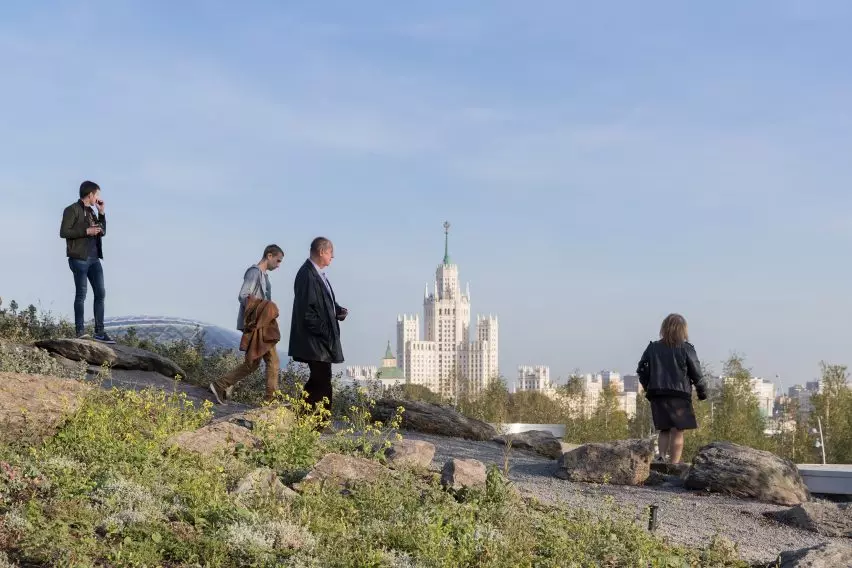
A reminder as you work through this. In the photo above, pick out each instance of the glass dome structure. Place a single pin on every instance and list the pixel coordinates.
(169, 329)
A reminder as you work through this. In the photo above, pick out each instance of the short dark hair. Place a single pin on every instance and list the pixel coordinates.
(319, 244)
(87, 188)
(274, 250)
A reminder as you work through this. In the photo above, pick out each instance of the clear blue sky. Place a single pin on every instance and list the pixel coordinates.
(601, 165)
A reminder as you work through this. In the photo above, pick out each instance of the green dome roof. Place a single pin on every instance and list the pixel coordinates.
(390, 373)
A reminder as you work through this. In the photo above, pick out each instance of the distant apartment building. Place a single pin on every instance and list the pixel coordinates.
(387, 375)
(450, 355)
(534, 378)
(764, 390)
(631, 383)
(592, 386)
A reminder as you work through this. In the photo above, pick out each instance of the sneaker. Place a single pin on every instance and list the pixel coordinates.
(104, 338)
(220, 400)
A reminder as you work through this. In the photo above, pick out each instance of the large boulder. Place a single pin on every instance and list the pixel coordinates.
(538, 441)
(731, 469)
(213, 438)
(33, 407)
(827, 519)
(434, 419)
(459, 474)
(116, 356)
(623, 462)
(825, 555)
(344, 470)
(410, 453)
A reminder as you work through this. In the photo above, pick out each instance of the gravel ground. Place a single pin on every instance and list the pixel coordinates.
(685, 517)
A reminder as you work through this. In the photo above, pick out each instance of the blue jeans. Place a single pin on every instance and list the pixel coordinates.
(92, 271)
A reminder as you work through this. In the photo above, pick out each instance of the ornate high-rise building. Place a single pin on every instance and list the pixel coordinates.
(448, 359)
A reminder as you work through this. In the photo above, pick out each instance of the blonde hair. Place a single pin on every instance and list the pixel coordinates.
(674, 330)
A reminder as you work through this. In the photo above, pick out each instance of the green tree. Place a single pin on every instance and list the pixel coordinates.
(641, 425)
(608, 422)
(833, 408)
(532, 407)
(734, 409)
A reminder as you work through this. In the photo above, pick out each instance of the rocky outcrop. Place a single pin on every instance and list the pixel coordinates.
(827, 519)
(220, 436)
(33, 407)
(538, 441)
(342, 469)
(278, 419)
(731, 469)
(263, 483)
(459, 474)
(624, 462)
(434, 419)
(410, 453)
(826, 555)
(116, 356)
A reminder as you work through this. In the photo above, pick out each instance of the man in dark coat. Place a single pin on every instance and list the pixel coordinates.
(315, 327)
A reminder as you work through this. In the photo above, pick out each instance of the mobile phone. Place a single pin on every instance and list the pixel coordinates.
(100, 202)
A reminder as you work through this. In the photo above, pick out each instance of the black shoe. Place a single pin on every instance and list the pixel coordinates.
(103, 337)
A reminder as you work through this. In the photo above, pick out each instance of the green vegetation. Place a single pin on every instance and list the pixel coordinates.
(110, 489)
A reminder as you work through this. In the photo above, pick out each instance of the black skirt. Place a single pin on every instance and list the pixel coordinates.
(673, 412)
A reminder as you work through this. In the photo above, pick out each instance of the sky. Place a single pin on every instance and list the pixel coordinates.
(601, 164)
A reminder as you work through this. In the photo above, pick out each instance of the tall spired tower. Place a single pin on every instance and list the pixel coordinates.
(446, 360)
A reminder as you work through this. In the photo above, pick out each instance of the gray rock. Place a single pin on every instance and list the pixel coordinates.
(827, 519)
(410, 453)
(538, 441)
(213, 438)
(825, 555)
(459, 473)
(263, 483)
(345, 470)
(116, 356)
(434, 419)
(728, 468)
(623, 462)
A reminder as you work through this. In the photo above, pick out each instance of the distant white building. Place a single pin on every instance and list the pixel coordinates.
(611, 378)
(764, 390)
(534, 378)
(593, 386)
(387, 375)
(450, 356)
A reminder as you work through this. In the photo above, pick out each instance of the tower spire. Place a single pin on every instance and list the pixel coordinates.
(446, 242)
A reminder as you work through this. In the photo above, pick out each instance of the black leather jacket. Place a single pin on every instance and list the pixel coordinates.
(671, 371)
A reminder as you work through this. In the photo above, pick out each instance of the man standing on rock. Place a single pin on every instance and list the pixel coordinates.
(255, 286)
(83, 232)
(315, 327)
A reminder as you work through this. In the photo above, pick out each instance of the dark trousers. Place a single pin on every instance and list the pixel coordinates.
(319, 383)
(91, 271)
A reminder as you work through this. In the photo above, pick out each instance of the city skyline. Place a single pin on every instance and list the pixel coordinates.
(602, 166)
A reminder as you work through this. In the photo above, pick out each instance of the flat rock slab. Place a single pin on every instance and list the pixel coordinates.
(732, 469)
(826, 555)
(33, 407)
(410, 453)
(263, 483)
(344, 470)
(116, 356)
(538, 441)
(828, 519)
(434, 419)
(220, 436)
(623, 462)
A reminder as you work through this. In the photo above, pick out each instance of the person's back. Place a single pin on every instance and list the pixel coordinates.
(672, 370)
(667, 371)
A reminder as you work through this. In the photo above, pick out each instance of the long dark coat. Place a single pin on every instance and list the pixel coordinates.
(314, 328)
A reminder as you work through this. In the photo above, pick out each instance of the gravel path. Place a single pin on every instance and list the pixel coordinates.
(685, 517)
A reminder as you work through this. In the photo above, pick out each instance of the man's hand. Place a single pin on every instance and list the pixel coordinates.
(93, 231)
(342, 313)
(100, 203)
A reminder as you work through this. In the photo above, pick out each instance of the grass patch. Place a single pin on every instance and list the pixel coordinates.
(108, 490)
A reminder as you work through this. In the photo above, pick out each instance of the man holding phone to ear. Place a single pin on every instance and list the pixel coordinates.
(83, 232)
